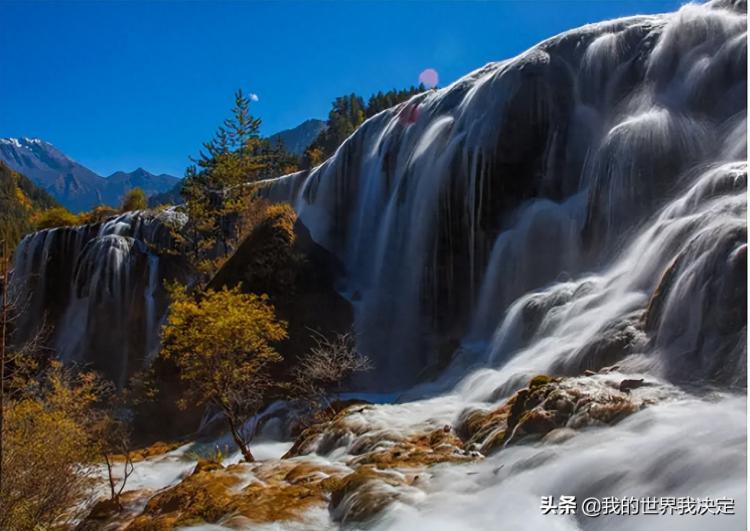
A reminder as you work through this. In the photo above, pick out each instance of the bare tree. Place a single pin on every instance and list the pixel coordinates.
(320, 374)
(117, 439)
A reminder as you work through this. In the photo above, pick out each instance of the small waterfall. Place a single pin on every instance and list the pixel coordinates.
(152, 336)
(98, 288)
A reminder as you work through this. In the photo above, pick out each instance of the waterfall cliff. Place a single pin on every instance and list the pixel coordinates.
(98, 289)
(580, 203)
(561, 210)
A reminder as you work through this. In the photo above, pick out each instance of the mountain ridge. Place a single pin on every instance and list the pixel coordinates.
(296, 139)
(74, 185)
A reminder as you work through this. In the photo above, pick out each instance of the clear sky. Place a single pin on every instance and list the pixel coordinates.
(117, 85)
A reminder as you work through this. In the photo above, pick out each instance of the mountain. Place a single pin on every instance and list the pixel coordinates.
(19, 199)
(120, 182)
(297, 139)
(170, 197)
(74, 185)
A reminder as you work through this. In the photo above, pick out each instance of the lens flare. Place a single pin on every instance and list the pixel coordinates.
(429, 77)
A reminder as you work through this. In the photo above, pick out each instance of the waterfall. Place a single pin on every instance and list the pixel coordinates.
(577, 211)
(97, 289)
(551, 199)
(579, 207)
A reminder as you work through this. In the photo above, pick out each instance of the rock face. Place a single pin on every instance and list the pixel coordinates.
(465, 223)
(100, 287)
(577, 213)
(549, 407)
(594, 149)
(279, 258)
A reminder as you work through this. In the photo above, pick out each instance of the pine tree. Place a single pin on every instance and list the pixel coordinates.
(346, 115)
(217, 186)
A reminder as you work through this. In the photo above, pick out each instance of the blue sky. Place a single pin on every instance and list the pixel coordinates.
(117, 85)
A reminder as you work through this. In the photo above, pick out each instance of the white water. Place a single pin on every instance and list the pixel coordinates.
(643, 455)
(640, 188)
(447, 227)
(625, 244)
(581, 205)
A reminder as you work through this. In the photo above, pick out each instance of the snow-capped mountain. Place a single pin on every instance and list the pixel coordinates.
(74, 185)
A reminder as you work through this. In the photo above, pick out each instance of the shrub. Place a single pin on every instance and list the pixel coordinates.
(134, 199)
(54, 217)
(319, 374)
(50, 444)
(97, 214)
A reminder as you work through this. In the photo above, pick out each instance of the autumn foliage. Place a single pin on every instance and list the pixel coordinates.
(222, 342)
(51, 442)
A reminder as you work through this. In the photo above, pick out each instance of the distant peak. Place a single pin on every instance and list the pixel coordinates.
(23, 142)
(11, 141)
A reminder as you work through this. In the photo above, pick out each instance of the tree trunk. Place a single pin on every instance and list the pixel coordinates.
(241, 444)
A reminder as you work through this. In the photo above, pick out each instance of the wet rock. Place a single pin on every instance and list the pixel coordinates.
(104, 509)
(109, 514)
(627, 385)
(545, 406)
(361, 495)
(438, 446)
(559, 435)
(206, 465)
(258, 493)
(278, 257)
(141, 454)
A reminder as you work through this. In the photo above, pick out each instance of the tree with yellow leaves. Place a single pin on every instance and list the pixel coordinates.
(135, 199)
(51, 443)
(222, 344)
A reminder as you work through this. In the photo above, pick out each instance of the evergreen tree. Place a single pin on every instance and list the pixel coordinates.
(217, 187)
(21, 202)
(346, 115)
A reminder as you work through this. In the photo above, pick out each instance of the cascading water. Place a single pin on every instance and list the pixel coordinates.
(580, 206)
(447, 209)
(579, 210)
(98, 288)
